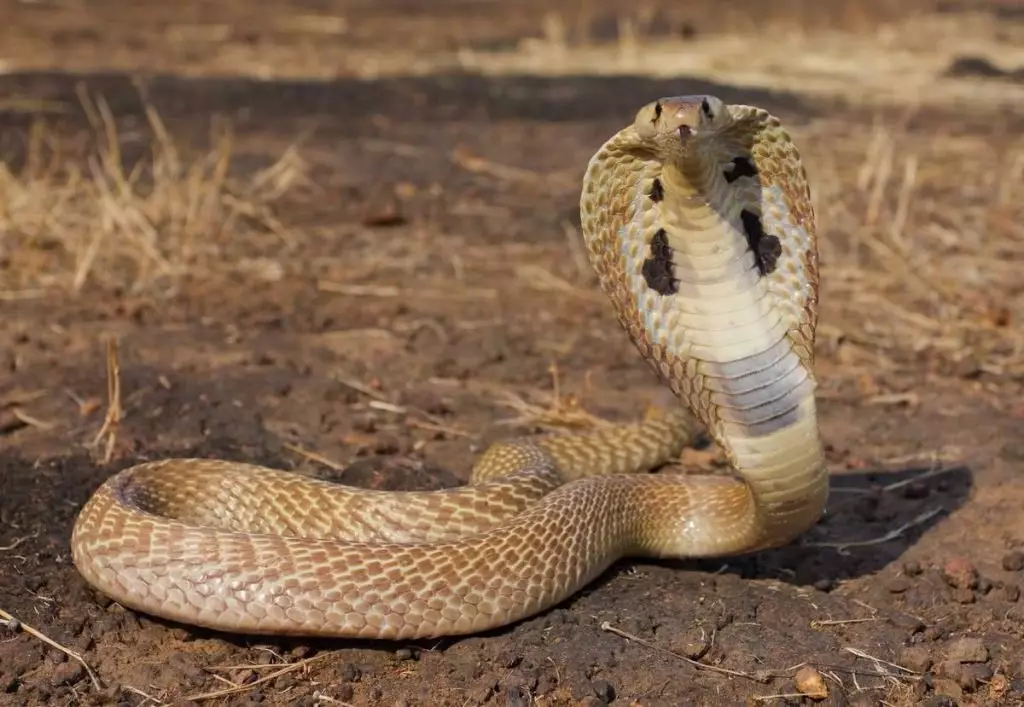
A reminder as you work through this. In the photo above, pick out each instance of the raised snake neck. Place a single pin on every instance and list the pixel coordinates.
(698, 222)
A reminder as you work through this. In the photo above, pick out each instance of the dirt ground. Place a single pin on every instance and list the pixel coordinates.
(389, 277)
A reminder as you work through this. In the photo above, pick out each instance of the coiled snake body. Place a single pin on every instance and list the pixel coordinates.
(698, 221)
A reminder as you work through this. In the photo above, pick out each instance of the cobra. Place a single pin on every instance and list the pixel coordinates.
(698, 222)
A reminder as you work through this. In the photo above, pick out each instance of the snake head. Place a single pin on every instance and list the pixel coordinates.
(676, 121)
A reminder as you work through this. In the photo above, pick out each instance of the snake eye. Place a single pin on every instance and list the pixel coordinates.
(706, 109)
(657, 111)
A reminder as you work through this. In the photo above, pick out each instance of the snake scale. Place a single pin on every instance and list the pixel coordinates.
(698, 221)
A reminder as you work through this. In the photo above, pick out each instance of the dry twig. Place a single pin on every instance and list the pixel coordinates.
(115, 413)
(760, 676)
(289, 668)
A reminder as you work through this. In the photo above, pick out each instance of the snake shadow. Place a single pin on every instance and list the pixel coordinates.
(873, 517)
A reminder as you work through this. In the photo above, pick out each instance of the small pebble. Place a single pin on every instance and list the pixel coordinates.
(824, 585)
(915, 658)
(981, 672)
(1013, 561)
(603, 689)
(967, 650)
(67, 673)
(810, 682)
(911, 568)
(407, 654)
(998, 684)
(693, 644)
(960, 573)
(1010, 592)
(898, 584)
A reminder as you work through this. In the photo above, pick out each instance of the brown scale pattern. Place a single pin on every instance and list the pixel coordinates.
(239, 547)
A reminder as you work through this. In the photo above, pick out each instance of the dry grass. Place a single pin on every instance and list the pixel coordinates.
(70, 221)
(345, 38)
(870, 59)
(919, 235)
(920, 231)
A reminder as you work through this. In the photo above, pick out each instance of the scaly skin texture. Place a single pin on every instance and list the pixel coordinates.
(698, 221)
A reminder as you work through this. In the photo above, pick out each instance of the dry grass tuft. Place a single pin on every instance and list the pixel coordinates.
(920, 233)
(104, 220)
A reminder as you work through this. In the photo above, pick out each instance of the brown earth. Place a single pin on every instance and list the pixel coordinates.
(419, 282)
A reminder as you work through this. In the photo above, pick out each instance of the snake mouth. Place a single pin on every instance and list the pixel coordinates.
(685, 131)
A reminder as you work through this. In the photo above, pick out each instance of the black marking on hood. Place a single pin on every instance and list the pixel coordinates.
(657, 268)
(740, 167)
(767, 248)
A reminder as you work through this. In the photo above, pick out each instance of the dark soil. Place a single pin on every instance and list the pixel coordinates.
(925, 574)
